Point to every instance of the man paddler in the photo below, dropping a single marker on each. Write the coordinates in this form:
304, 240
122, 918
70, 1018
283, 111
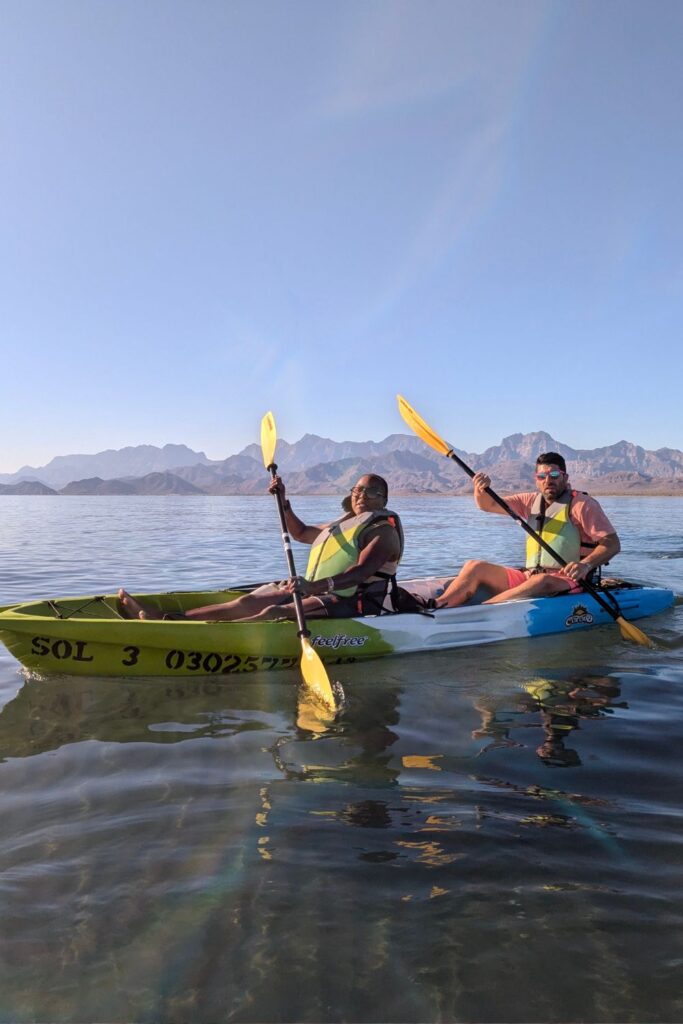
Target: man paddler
570, 521
351, 569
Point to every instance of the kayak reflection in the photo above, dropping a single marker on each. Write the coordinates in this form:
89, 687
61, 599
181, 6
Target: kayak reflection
47, 714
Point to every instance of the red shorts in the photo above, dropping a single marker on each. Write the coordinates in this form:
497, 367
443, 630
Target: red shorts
518, 576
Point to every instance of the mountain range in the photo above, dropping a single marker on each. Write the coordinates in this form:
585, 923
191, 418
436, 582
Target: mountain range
318, 465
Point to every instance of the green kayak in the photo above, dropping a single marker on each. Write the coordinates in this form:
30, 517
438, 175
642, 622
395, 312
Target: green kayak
89, 636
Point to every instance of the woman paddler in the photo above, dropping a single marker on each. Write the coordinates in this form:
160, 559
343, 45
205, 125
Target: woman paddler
351, 569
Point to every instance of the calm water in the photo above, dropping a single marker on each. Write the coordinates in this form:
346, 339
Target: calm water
484, 835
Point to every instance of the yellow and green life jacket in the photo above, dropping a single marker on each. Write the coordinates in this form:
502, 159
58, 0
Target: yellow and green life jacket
337, 548
552, 522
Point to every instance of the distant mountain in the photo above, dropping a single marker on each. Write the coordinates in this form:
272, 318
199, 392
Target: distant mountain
137, 461
212, 478
26, 487
406, 473
317, 465
622, 457
96, 485
151, 483
312, 450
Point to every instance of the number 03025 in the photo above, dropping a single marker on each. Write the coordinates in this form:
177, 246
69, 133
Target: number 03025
197, 661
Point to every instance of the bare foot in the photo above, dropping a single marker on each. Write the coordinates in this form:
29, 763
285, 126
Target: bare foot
134, 610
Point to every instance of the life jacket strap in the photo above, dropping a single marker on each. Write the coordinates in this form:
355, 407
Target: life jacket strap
369, 603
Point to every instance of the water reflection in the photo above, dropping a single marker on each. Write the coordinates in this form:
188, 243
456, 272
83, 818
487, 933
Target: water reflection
201, 849
561, 704
356, 745
47, 714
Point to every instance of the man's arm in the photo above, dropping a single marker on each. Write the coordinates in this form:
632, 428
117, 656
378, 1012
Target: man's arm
483, 500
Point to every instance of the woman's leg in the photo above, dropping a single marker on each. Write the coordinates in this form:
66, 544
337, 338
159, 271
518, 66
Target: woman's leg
242, 607
134, 609
313, 607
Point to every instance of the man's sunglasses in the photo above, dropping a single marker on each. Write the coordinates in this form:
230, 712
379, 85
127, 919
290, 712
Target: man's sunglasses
553, 474
371, 492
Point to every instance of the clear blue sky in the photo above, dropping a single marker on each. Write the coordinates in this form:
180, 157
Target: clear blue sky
212, 209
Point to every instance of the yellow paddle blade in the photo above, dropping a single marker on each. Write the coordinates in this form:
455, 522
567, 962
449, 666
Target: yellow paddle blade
268, 439
422, 429
315, 677
631, 632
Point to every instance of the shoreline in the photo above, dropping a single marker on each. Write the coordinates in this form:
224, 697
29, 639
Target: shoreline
596, 493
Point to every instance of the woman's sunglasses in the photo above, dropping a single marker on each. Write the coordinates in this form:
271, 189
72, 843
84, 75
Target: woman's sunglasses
370, 491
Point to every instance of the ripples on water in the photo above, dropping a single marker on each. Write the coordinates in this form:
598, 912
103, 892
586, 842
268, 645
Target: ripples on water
483, 835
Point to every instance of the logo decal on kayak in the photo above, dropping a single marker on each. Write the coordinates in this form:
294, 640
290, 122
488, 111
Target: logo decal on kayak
579, 616
339, 640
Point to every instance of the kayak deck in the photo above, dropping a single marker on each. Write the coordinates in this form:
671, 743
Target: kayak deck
89, 636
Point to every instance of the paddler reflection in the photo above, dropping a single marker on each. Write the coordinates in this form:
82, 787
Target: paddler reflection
561, 705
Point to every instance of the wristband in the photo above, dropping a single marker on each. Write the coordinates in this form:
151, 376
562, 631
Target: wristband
330, 585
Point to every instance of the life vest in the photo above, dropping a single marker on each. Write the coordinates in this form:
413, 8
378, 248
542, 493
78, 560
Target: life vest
337, 548
552, 522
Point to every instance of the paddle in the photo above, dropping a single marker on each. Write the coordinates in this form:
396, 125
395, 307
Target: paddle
423, 430
312, 669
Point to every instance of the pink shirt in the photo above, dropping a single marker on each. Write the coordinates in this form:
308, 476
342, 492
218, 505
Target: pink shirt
585, 512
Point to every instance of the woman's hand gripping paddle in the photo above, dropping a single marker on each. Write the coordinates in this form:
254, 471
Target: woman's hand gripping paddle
430, 437
312, 669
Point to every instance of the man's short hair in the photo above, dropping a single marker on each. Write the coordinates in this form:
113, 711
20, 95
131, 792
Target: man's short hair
552, 459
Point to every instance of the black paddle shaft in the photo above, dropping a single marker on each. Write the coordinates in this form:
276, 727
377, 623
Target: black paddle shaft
536, 536
287, 543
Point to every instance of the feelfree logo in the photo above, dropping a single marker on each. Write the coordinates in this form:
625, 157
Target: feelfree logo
338, 640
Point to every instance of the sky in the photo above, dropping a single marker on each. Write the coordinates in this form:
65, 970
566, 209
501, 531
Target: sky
212, 209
